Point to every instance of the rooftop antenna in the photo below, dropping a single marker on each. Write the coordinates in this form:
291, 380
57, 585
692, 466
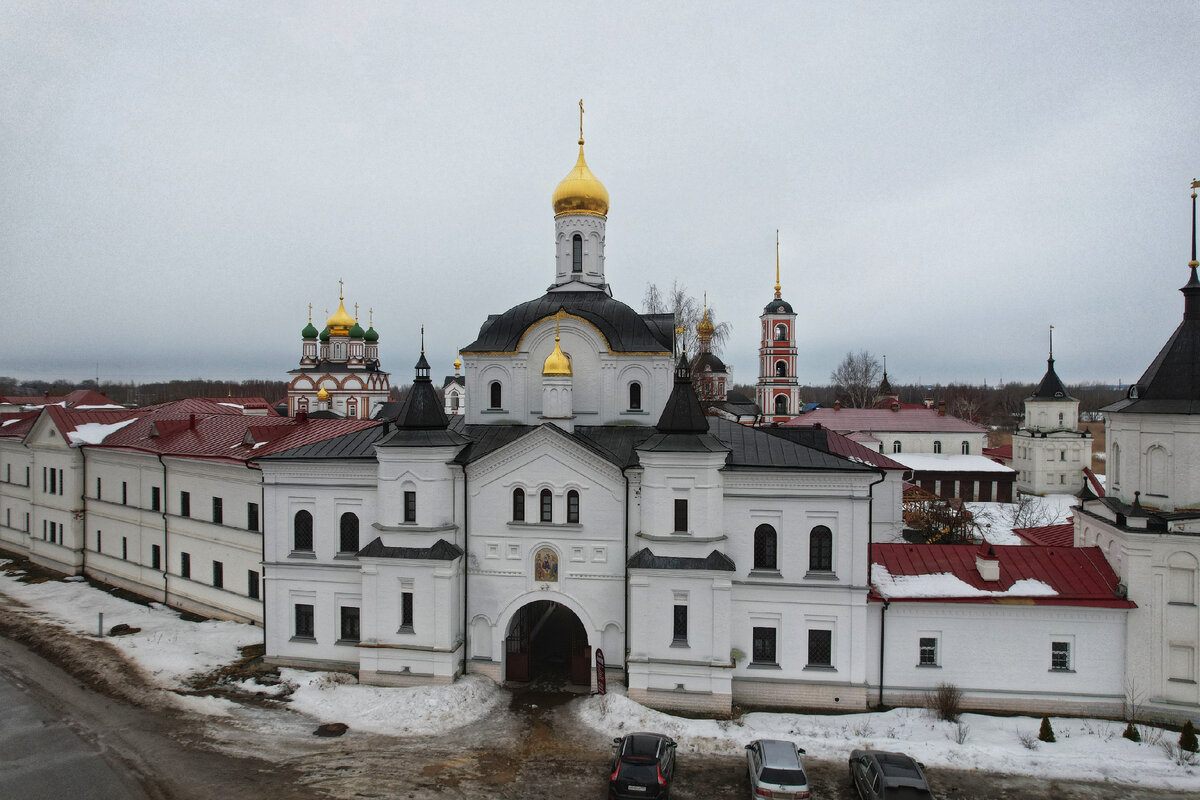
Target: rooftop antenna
777, 286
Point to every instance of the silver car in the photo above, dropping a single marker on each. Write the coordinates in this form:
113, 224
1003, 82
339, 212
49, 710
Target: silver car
776, 770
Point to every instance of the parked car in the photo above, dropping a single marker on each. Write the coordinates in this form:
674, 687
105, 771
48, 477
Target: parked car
879, 775
776, 770
643, 765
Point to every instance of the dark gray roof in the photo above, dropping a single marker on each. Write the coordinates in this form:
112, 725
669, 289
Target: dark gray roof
488, 438
461, 380
755, 448
626, 330
682, 413
1051, 388
778, 306
710, 361
388, 409
644, 559
1171, 385
360, 444
441, 551
422, 437
423, 407
324, 413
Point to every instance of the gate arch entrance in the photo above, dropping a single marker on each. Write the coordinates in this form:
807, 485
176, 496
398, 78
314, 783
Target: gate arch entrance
547, 644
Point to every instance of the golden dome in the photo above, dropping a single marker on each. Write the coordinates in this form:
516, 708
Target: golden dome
322, 395
457, 363
704, 328
557, 363
341, 322
580, 192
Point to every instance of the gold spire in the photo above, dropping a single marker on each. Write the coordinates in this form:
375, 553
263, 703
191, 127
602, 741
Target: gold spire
557, 363
704, 328
580, 192
777, 287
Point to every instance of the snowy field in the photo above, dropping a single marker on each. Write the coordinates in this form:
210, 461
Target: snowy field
1086, 749
171, 650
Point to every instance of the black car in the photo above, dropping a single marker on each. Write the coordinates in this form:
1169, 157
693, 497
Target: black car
879, 775
643, 765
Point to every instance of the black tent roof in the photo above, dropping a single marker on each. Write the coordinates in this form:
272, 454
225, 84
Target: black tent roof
1051, 387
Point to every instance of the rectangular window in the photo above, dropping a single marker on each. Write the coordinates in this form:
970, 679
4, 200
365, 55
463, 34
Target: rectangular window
27, 476
349, 627
547, 506
185, 565
410, 506
45, 537
155, 498
252, 516
218, 511
820, 648
1060, 656
928, 655
680, 630
681, 516
155, 557
252, 584
218, 575
124, 548
406, 611
97, 488
124, 493
53, 481
62, 484
764, 646
304, 621
53, 533
99, 542
44, 470
185, 504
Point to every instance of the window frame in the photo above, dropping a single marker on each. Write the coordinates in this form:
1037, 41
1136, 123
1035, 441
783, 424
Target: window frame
817, 647
302, 535
1062, 656
252, 518
573, 507
766, 548
155, 556
304, 621
349, 625
218, 575
185, 504
406, 612
681, 515
764, 645
410, 505
679, 625
218, 511
345, 521
155, 498
253, 584
927, 651
781, 404
185, 565
545, 506
937, 447
495, 396
820, 549
635, 396
576, 254
518, 505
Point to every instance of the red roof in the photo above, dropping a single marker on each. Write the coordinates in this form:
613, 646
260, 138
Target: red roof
1094, 482
922, 420
1001, 453
79, 397
845, 446
1080, 575
1061, 535
68, 420
16, 425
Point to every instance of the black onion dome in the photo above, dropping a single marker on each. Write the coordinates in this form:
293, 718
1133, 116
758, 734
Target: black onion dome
626, 330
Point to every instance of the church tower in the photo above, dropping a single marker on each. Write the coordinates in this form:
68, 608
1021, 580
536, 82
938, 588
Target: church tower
1049, 449
778, 391
580, 213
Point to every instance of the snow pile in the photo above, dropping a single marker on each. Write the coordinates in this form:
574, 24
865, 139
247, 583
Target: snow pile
413, 711
1086, 749
947, 584
170, 649
94, 432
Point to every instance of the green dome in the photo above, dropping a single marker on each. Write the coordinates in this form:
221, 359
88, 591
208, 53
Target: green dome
309, 331
356, 332
371, 335
325, 334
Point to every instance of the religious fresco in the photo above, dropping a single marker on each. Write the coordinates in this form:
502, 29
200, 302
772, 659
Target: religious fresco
545, 565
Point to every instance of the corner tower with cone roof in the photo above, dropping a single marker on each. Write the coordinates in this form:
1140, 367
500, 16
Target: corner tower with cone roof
339, 373
778, 390
1050, 450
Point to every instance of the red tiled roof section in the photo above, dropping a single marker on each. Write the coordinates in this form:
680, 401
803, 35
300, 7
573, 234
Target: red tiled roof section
209, 405
845, 446
16, 425
1080, 575
1094, 482
1001, 453
79, 397
847, 420
1062, 535
67, 419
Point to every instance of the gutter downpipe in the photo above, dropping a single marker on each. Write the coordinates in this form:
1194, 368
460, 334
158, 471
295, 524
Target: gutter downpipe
83, 510
166, 563
882, 627
466, 573
870, 544
625, 658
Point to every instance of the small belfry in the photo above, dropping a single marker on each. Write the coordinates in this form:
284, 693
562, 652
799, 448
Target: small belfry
557, 401
342, 362
580, 204
712, 374
778, 390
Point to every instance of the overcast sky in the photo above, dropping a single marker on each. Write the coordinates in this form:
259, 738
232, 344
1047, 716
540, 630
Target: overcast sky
179, 180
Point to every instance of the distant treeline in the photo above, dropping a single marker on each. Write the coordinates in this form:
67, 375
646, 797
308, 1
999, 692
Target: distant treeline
144, 394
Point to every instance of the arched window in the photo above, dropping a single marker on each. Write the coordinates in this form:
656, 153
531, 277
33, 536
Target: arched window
302, 405
518, 505
547, 504
573, 506
454, 401
780, 369
577, 253
781, 404
635, 396
966, 448
937, 447
820, 550
348, 530
1116, 464
1060, 419
1156, 470
781, 332
765, 542
496, 396
302, 531
896, 446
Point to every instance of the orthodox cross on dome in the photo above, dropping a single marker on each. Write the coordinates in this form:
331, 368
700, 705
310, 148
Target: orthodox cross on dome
371, 318
1193, 263
341, 295
310, 312
422, 340
1052, 341
356, 312
581, 120
777, 286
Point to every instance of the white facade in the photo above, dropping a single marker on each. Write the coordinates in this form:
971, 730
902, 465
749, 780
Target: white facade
1050, 450
1157, 455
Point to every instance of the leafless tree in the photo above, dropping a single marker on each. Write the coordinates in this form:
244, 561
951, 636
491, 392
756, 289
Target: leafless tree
1031, 511
688, 311
857, 379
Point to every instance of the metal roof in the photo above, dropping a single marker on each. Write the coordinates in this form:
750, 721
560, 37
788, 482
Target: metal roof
440, 551
1051, 388
914, 420
716, 560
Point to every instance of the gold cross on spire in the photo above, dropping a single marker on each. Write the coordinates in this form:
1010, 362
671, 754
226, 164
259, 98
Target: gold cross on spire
341, 295
777, 287
310, 312
371, 322
581, 120
356, 312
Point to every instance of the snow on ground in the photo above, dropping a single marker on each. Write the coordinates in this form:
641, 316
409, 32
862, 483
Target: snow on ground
995, 519
1086, 749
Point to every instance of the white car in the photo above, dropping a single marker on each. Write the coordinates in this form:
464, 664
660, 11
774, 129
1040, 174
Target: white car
776, 770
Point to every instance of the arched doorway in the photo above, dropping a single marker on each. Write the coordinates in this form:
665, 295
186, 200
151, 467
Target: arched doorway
546, 643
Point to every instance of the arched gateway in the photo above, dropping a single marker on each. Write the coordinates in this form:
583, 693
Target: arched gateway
546, 642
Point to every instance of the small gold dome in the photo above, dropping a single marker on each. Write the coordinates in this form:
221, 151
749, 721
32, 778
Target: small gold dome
457, 363
557, 363
340, 323
322, 395
704, 328
580, 192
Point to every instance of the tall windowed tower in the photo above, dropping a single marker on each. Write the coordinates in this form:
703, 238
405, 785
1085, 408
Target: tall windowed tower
778, 391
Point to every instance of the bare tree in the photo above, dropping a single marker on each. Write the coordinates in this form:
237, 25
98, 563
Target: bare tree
857, 379
687, 311
1031, 511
